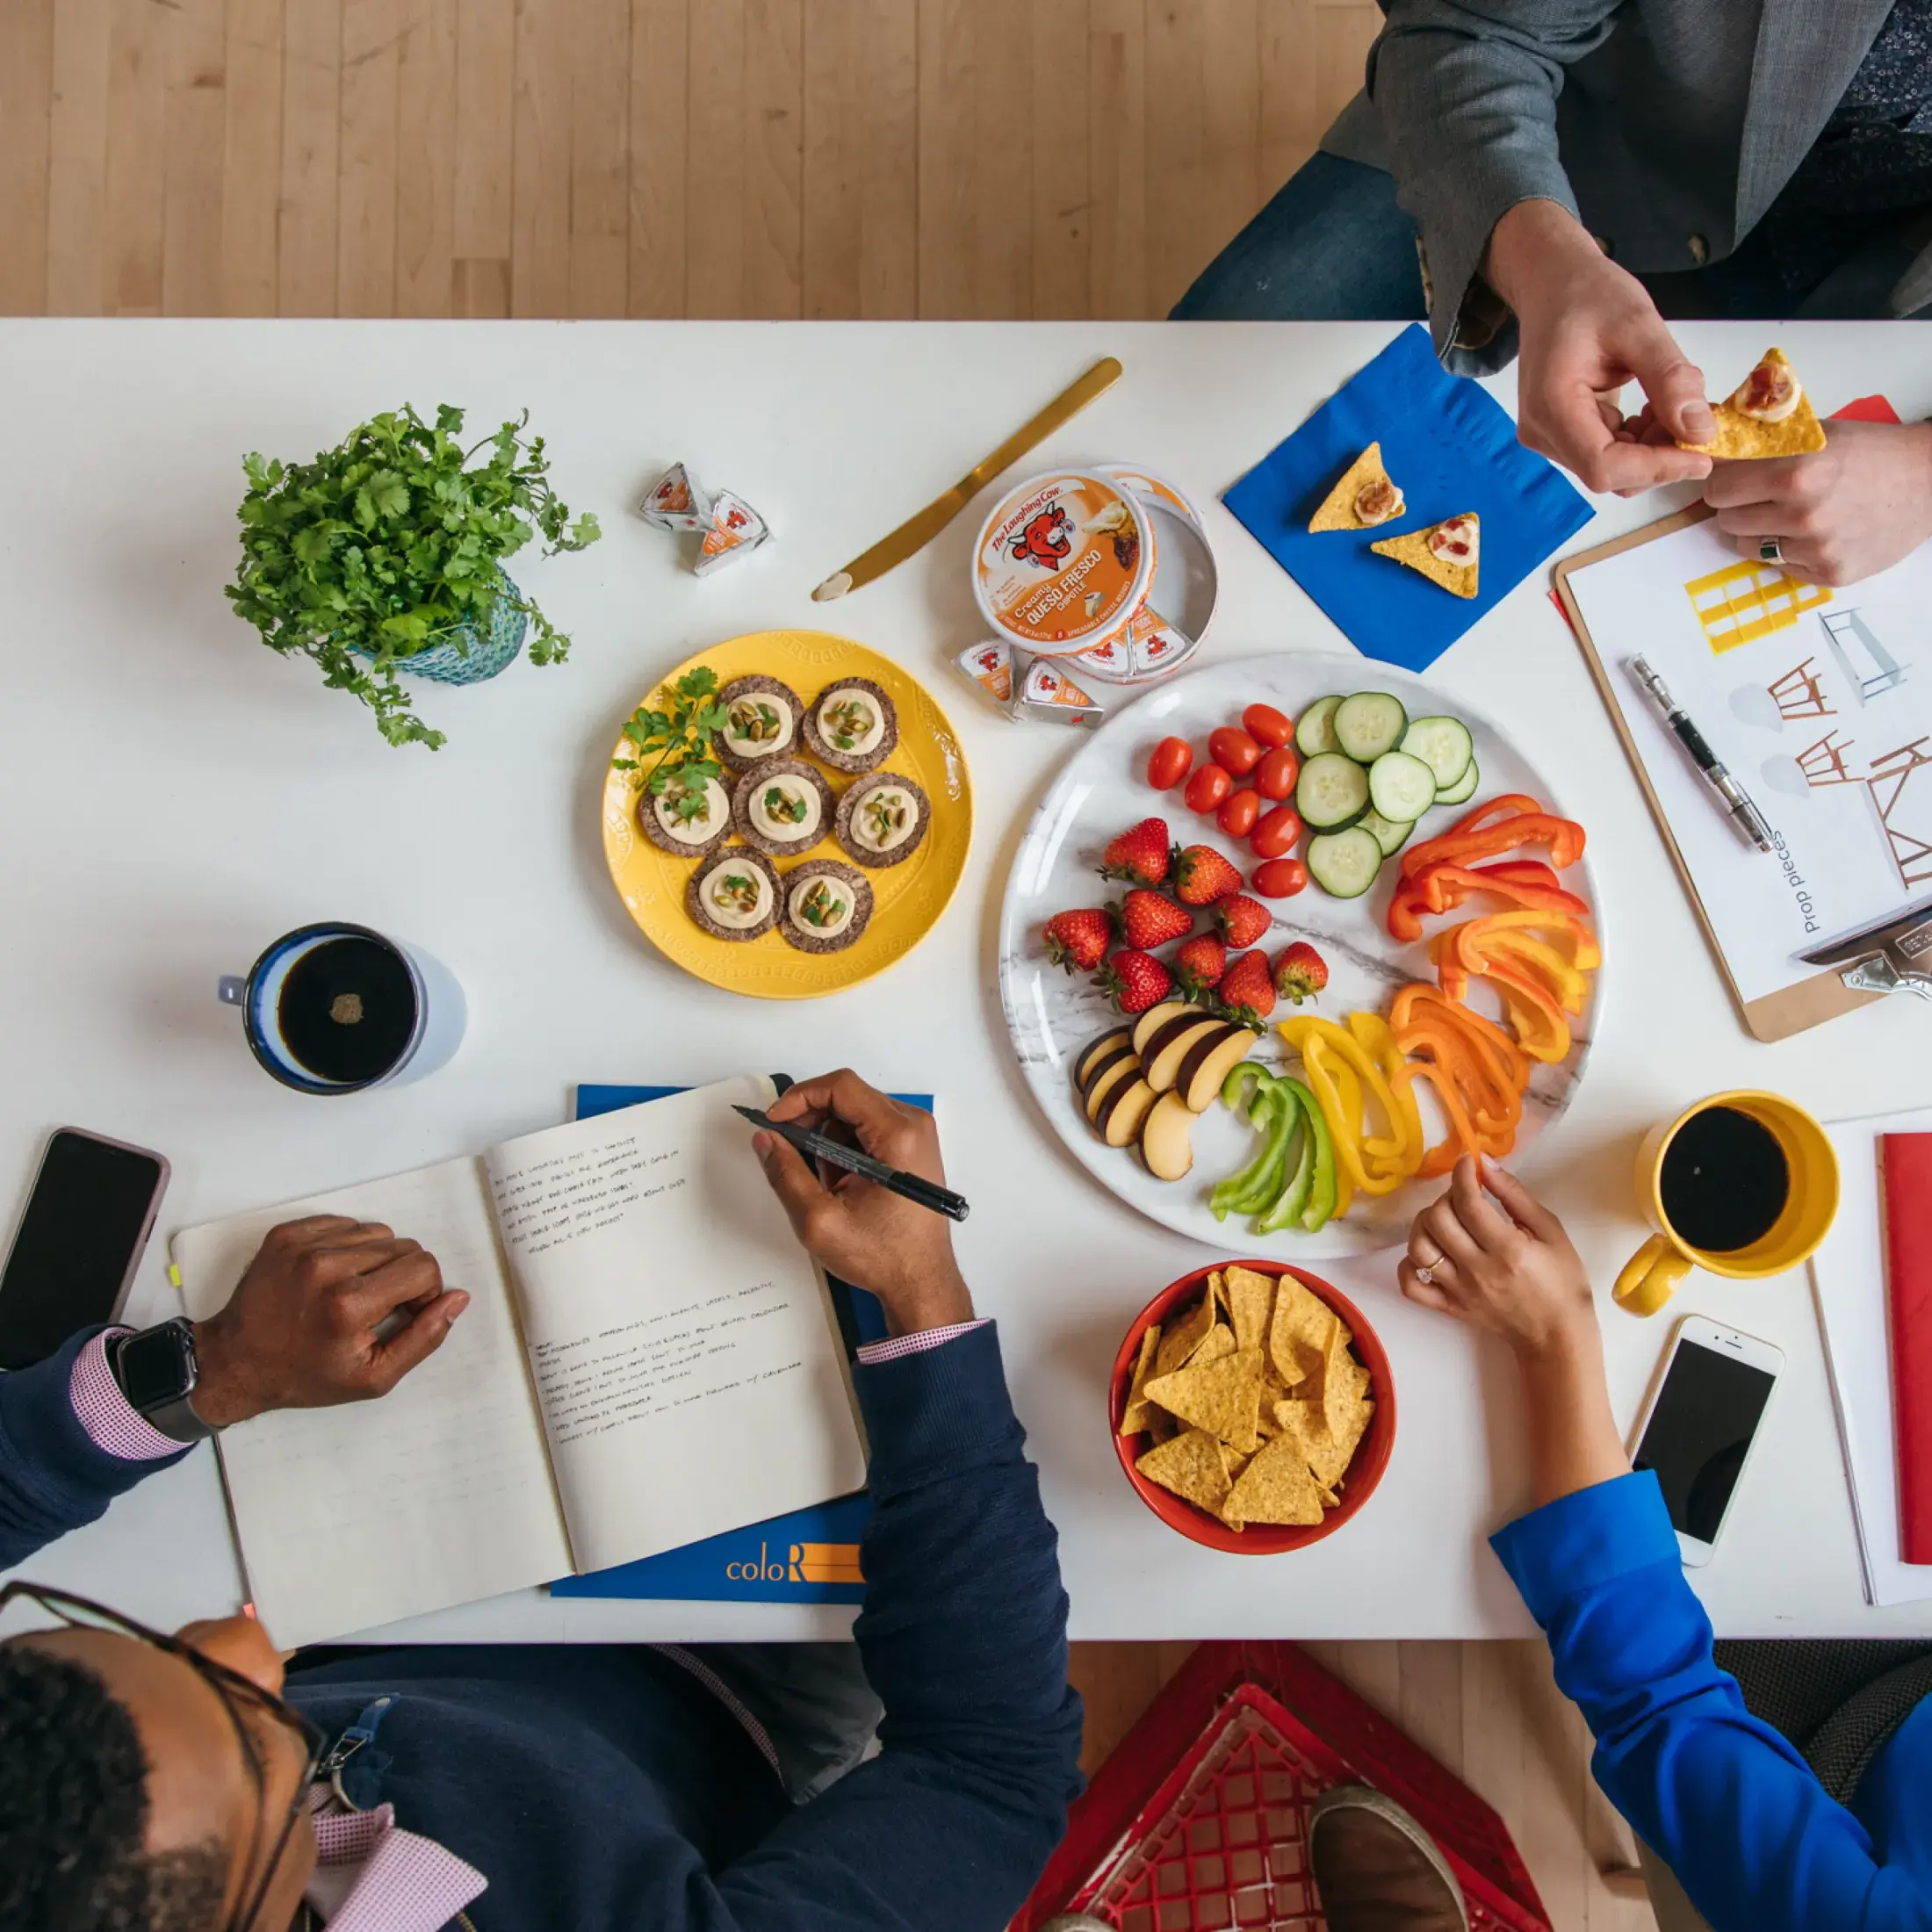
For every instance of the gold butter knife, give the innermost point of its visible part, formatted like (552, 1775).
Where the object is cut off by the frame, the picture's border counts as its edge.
(917, 532)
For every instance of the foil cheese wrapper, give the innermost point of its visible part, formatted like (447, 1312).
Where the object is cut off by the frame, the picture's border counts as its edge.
(735, 530)
(676, 501)
(1048, 693)
(989, 667)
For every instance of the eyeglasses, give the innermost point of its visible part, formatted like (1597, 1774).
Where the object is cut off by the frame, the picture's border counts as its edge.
(237, 1694)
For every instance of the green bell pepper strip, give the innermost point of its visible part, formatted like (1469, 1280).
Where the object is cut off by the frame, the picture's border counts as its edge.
(1277, 1117)
(1286, 1208)
(1318, 1209)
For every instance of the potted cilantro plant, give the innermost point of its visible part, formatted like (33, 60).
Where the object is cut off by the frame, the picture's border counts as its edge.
(385, 554)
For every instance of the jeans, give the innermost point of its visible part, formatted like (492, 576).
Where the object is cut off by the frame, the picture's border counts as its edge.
(1334, 246)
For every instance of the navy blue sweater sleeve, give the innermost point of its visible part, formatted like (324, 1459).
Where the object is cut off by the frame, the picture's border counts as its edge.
(1723, 1799)
(53, 1477)
(963, 1637)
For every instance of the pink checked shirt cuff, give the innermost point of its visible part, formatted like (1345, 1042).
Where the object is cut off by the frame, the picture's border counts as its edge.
(873, 1353)
(113, 1423)
(372, 1876)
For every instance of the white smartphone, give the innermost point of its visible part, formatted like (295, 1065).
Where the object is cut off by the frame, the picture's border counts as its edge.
(1697, 1428)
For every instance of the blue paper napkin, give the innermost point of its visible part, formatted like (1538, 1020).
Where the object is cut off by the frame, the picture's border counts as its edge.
(1449, 447)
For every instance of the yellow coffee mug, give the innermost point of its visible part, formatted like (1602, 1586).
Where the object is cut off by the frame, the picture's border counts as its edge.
(1653, 1272)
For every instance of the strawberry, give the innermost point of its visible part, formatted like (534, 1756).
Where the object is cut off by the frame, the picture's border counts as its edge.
(1300, 972)
(1246, 993)
(1147, 919)
(1140, 853)
(1201, 875)
(1241, 921)
(1200, 963)
(1135, 981)
(1079, 941)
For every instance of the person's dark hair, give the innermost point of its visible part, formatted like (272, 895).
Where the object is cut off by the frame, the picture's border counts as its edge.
(74, 1813)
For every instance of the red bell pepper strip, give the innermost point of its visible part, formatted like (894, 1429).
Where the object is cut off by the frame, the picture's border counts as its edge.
(1564, 837)
(1440, 888)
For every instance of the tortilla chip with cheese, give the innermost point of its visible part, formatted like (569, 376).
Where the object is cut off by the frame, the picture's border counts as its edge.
(1366, 495)
(1767, 415)
(1445, 555)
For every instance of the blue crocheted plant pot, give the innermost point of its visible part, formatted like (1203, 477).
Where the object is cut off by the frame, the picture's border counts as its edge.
(468, 654)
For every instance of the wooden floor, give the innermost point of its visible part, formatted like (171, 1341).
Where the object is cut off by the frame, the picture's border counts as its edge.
(879, 158)
(886, 158)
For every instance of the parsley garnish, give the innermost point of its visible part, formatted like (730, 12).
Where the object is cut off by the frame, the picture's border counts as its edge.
(780, 803)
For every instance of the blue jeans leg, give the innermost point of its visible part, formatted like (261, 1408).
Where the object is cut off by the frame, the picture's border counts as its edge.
(1331, 247)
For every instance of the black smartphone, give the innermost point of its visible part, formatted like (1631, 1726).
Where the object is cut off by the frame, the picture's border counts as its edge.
(79, 1242)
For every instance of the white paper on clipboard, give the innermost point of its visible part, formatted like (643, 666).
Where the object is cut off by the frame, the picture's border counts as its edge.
(1847, 1280)
(1820, 701)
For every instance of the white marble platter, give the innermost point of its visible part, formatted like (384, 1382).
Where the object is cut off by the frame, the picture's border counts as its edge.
(1052, 1015)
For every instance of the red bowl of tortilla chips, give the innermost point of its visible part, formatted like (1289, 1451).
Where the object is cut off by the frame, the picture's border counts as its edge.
(1316, 1460)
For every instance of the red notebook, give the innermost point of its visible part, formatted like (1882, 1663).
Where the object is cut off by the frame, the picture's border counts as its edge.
(1905, 1169)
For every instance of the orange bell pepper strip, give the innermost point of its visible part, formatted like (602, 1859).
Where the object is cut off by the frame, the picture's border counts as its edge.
(1462, 1139)
(1533, 955)
(1441, 887)
(1510, 1062)
(1575, 933)
(1492, 1097)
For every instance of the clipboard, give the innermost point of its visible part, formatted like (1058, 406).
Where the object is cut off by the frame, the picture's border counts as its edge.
(1792, 1009)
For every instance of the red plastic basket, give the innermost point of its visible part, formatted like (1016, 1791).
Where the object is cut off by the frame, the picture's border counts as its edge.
(1199, 1822)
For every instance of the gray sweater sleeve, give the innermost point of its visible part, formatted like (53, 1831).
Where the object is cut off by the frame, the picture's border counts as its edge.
(1466, 92)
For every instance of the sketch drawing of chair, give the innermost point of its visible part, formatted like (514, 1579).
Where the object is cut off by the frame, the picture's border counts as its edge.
(1855, 647)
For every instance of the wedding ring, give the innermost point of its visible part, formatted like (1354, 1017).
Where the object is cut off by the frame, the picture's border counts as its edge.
(1768, 552)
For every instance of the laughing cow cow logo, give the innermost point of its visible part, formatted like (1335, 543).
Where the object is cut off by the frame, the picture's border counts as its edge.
(1045, 540)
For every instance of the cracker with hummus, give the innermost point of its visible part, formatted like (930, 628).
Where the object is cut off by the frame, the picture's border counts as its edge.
(1768, 414)
(824, 906)
(690, 816)
(761, 721)
(852, 726)
(1365, 496)
(882, 818)
(782, 807)
(1445, 555)
(734, 894)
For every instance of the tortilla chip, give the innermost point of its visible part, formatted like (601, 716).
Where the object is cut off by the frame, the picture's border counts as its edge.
(1186, 1333)
(1338, 1397)
(1161, 1427)
(1458, 579)
(1134, 1415)
(1233, 1463)
(1328, 1454)
(1223, 1398)
(1741, 438)
(1192, 1466)
(1275, 1487)
(1250, 1300)
(1219, 1344)
(1337, 510)
(1298, 1336)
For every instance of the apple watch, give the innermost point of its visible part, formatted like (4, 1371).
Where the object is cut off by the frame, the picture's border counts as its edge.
(156, 1370)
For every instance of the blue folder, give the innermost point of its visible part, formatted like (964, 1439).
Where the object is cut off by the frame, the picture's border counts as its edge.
(1450, 447)
(809, 1556)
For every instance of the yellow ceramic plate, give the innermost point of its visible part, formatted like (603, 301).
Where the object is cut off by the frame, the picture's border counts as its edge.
(907, 898)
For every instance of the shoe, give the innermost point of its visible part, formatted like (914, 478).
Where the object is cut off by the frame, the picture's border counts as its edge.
(1376, 1869)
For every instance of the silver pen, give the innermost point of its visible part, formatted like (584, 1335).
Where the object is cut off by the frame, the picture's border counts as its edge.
(1737, 801)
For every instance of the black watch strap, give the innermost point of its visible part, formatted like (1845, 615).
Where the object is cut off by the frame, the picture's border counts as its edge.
(172, 1411)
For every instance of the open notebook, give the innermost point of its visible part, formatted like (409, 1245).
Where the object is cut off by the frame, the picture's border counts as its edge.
(648, 1358)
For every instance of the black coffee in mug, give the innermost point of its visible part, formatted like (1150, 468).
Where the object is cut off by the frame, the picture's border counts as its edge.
(346, 1009)
(1724, 1180)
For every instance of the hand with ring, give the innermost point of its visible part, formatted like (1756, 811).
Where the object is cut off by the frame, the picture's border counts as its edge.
(1489, 1254)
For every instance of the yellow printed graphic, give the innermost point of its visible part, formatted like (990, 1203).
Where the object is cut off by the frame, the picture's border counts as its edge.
(826, 1563)
(1746, 601)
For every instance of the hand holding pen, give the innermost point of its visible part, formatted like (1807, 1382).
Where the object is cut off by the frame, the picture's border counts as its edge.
(857, 1230)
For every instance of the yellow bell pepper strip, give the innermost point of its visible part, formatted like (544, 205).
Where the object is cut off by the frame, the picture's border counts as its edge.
(1341, 1072)
(1401, 1153)
(1533, 955)
(1574, 933)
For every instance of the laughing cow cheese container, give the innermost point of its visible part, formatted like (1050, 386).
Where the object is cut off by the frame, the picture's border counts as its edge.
(1064, 562)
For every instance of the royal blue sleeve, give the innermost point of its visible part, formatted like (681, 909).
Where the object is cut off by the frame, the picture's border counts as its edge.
(54, 1476)
(963, 1638)
(1722, 1799)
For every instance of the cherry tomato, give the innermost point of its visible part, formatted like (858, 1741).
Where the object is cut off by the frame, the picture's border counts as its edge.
(1208, 788)
(1234, 751)
(1275, 776)
(1266, 725)
(1168, 765)
(1238, 815)
(1280, 878)
(1278, 835)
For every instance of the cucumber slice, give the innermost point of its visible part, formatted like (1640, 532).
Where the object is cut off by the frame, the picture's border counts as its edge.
(1400, 786)
(1315, 731)
(1464, 788)
(1368, 725)
(1345, 863)
(1332, 792)
(1444, 745)
(1389, 833)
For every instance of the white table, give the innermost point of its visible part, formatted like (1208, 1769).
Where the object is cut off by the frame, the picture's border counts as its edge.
(173, 795)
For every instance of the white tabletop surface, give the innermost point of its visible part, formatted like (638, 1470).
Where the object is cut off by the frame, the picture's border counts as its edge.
(174, 796)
